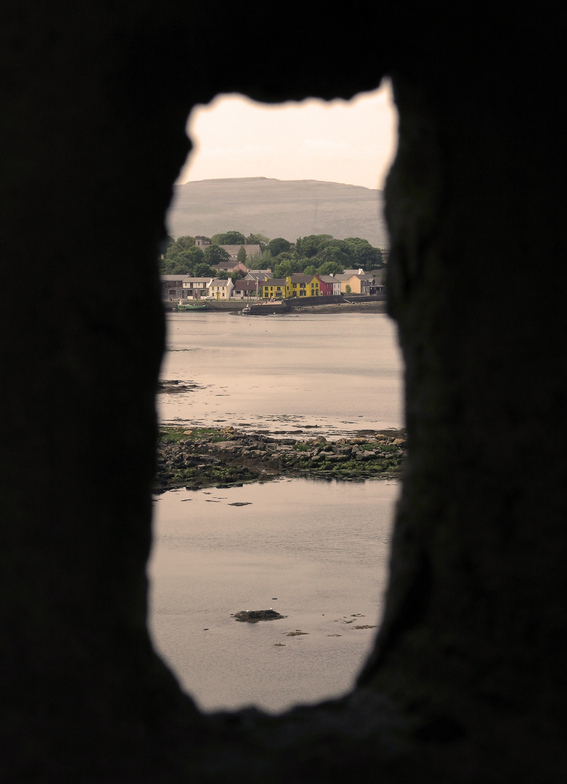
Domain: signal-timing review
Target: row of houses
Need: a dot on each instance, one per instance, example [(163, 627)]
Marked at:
[(258, 284)]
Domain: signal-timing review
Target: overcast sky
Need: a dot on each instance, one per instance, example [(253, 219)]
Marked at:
[(351, 142)]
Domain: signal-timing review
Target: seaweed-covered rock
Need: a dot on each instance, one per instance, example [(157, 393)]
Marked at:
[(207, 457)]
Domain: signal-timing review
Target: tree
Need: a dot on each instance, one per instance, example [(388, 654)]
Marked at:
[(195, 255), (265, 261), (302, 262), (333, 251), (229, 238), (241, 255), (310, 270), (180, 266), (166, 267), (203, 270), (283, 268), (309, 246), (330, 268), (180, 261), (185, 242), (363, 254), (165, 244), (257, 239), (289, 260), (214, 255), (278, 245)]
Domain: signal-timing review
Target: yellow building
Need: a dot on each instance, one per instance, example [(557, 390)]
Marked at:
[(273, 288), (359, 283), (302, 286), (292, 286)]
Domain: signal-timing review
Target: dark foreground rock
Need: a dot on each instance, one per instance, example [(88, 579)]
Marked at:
[(253, 616), (207, 457), (175, 386)]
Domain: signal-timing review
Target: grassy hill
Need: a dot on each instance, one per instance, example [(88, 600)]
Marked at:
[(278, 208)]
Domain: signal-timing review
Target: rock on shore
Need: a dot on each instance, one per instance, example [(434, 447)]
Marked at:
[(253, 616), (211, 457)]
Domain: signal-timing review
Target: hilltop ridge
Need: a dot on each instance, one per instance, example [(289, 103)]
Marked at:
[(278, 208)]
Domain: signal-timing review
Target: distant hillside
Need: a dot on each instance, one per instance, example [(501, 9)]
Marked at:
[(278, 208)]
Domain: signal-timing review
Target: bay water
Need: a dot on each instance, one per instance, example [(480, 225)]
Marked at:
[(315, 551), (333, 373)]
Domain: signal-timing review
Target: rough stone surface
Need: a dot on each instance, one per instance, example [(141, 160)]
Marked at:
[(467, 681)]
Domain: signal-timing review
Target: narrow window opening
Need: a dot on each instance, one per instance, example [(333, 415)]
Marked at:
[(322, 389)]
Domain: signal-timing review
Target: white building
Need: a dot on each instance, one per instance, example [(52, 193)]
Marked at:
[(196, 288), (331, 280), (221, 289)]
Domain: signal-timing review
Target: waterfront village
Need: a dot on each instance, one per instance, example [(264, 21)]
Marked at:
[(195, 457), (259, 285)]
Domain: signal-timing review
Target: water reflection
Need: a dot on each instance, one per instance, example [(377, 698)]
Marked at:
[(333, 374), (315, 551)]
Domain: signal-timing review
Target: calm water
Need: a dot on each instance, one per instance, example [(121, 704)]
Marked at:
[(316, 552), (335, 373)]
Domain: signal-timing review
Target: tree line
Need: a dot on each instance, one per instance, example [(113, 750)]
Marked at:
[(315, 254)]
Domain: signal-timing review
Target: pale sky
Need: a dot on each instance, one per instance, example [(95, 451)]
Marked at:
[(350, 142)]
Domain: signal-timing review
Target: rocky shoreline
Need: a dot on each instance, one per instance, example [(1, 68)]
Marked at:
[(225, 457), (380, 306)]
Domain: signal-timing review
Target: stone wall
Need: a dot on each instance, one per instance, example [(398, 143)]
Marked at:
[(467, 681)]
